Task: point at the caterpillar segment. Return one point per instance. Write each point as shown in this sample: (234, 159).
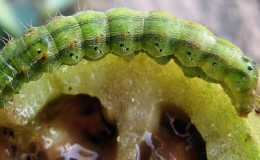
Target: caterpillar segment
(92, 35)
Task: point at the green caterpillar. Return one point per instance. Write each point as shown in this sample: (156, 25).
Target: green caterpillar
(92, 35)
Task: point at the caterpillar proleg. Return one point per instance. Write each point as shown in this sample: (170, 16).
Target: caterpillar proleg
(92, 35)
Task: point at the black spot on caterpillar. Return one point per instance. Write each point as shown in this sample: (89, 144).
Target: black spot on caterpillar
(92, 35)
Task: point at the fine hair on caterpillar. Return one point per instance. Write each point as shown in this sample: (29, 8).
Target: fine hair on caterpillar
(92, 35)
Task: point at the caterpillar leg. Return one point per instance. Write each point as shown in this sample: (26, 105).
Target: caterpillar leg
(257, 105)
(247, 102)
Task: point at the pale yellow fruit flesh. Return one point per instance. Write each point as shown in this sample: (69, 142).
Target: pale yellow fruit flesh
(132, 91)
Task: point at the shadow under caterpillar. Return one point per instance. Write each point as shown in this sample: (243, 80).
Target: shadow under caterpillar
(92, 35)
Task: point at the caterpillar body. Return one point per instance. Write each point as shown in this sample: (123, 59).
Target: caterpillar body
(92, 35)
